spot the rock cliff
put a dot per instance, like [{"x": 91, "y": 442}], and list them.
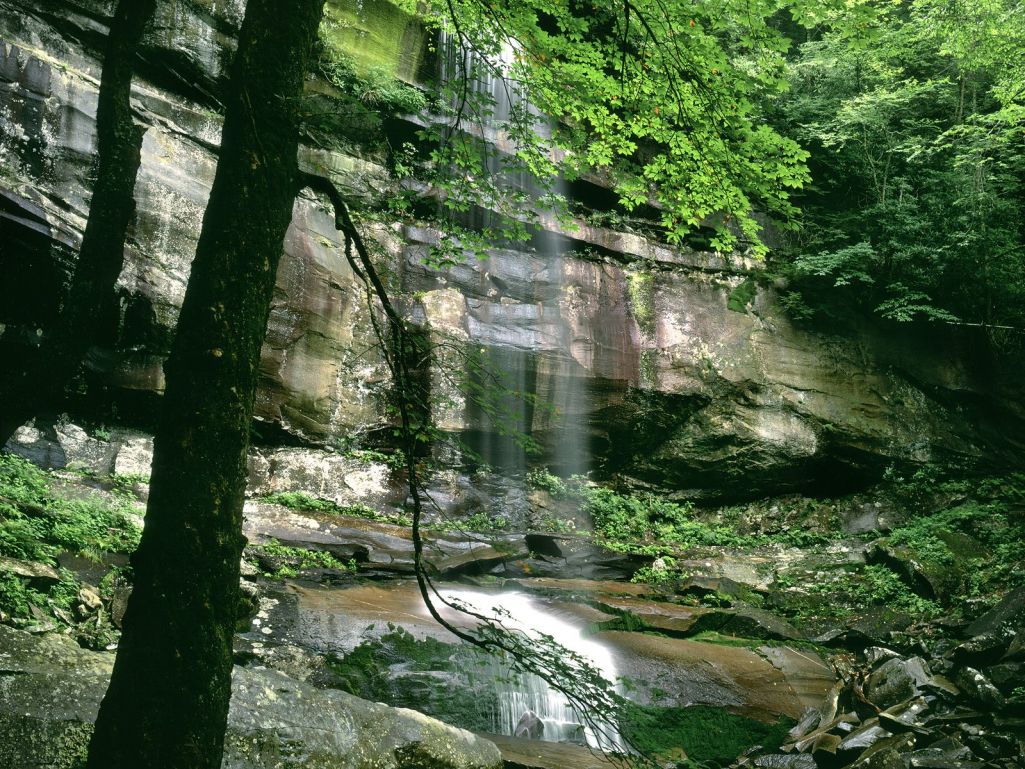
[{"x": 671, "y": 368}]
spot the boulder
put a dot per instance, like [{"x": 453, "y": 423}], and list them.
[
  {"x": 746, "y": 622},
  {"x": 897, "y": 680},
  {"x": 36, "y": 572},
  {"x": 53, "y": 688},
  {"x": 979, "y": 689},
  {"x": 1006, "y": 618},
  {"x": 134, "y": 455}
]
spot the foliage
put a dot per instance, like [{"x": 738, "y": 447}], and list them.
[
  {"x": 541, "y": 478},
  {"x": 482, "y": 521},
  {"x": 709, "y": 736},
  {"x": 978, "y": 547},
  {"x": 396, "y": 460},
  {"x": 646, "y": 523},
  {"x": 742, "y": 296},
  {"x": 873, "y": 585},
  {"x": 667, "y": 100},
  {"x": 37, "y": 525},
  {"x": 914, "y": 126},
  {"x": 289, "y": 561},
  {"x": 663, "y": 571},
  {"x": 403, "y": 671}
]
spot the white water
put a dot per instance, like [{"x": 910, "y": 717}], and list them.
[{"x": 525, "y": 693}]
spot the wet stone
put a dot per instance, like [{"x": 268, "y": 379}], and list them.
[
  {"x": 897, "y": 680},
  {"x": 979, "y": 689}
]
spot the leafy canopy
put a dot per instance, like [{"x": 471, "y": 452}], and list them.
[{"x": 665, "y": 100}]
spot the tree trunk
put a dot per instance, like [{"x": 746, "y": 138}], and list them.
[
  {"x": 167, "y": 703},
  {"x": 101, "y": 257}
]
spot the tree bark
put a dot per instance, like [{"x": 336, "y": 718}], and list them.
[
  {"x": 101, "y": 256},
  {"x": 167, "y": 704}
]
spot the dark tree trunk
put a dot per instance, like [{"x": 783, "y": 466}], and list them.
[
  {"x": 101, "y": 257},
  {"x": 167, "y": 704}
]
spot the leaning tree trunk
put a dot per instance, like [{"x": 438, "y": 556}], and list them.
[
  {"x": 101, "y": 257},
  {"x": 167, "y": 704}
]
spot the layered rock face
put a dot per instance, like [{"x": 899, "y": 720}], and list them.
[{"x": 640, "y": 369}]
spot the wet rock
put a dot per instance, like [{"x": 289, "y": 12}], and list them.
[
  {"x": 876, "y": 654},
  {"x": 887, "y": 753},
  {"x": 39, "y": 573},
  {"x": 322, "y": 474},
  {"x": 537, "y": 754},
  {"x": 578, "y": 558},
  {"x": 88, "y": 601},
  {"x": 248, "y": 604},
  {"x": 947, "y": 753},
  {"x": 926, "y": 579},
  {"x": 1009, "y": 613},
  {"x": 1016, "y": 649},
  {"x": 134, "y": 455},
  {"x": 529, "y": 726},
  {"x": 877, "y": 625},
  {"x": 1006, "y": 676},
  {"x": 83, "y": 452},
  {"x": 783, "y": 761},
  {"x": 38, "y": 446},
  {"x": 897, "y": 680},
  {"x": 751, "y": 682},
  {"x": 702, "y": 586},
  {"x": 119, "y": 604},
  {"x": 746, "y": 622},
  {"x": 867, "y": 735},
  {"x": 979, "y": 689},
  {"x": 667, "y": 617}
]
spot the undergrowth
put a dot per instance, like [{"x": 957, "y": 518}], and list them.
[
  {"x": 288, "y": 561},
  {"x": 708, "y": 736},
  {"x": 37, "y": 525}
]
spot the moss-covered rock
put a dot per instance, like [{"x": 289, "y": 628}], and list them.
[{"x": 50, "y": 691}]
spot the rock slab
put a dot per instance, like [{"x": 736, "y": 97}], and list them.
[{"x": 50, "y": 691}]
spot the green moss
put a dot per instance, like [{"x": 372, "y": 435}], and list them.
[
  {"x": 428, "y": 675},
  {"x": 742, "y": 296},
  {"x": 641, "y": 289},
  {"x": 708, "y": 736},
  {"x": 37, "y": 525},
  {"x": 376, "y": 34},
  {"x": 299, "y": 500},
  {"x": 646, "y": 523},
  {"x": 295, "y": 559},
  {"x": 543, "y": 479}
]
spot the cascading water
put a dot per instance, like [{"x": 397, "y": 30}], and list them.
[
  {"x": 531, "y": 341},
  {"x": 530, "y": 348},
  {"x": 521, "y": 694}
]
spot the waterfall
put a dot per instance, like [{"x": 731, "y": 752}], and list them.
[
  {"x": 543, "y": 355},
  {"x": 522, "y": 694}
]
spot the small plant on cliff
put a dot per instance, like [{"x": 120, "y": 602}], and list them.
[
  {"x": 543, "y": 479},
  {"x": 288, "y": 561},
  {"x": 36, "y": 524}
]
